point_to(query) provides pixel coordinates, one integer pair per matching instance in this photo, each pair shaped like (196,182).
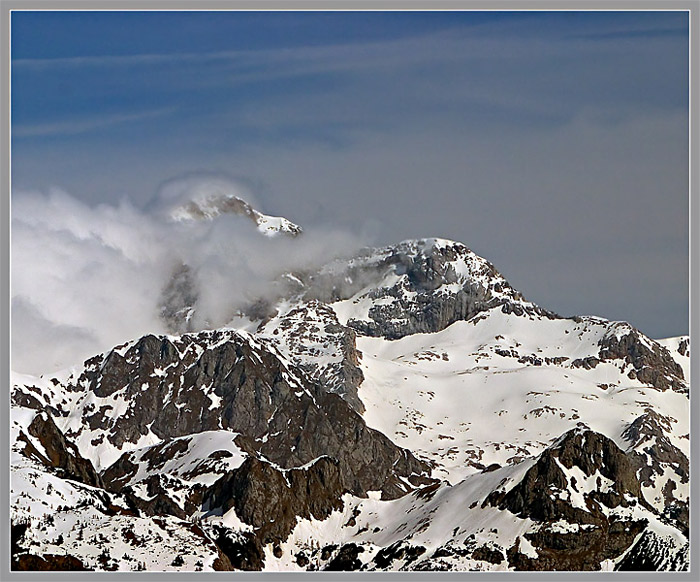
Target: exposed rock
(163,494)
(588,363)
(591,452)
(178,300)
(487,554)
(650,429)
(241,550)
(400,550)
(311,337)
(369,461)
(46,562)
(649,441)
(544,495)
(327,551)
(257,396)
(582,550)
(651,362)
(28,396)
(61,454)
(272,501)
(424,268)
(346,560)
(652,554)
(417,286)
(17,532)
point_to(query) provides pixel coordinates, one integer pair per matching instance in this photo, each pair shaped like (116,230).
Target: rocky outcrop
(649,441)
(311,337)
(164,496)
(648,434)
(272,501)
(596,456)
(240,550)
(226,380)
(346,560)
(401,550)
(369,461)
(48,562)
(574,536)
(581,550)
(417,286)
(433,291)
(651,362)
(58,454)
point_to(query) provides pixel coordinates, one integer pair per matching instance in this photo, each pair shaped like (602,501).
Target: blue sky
(552,143)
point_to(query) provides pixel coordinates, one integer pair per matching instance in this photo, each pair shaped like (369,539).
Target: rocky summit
(401,409)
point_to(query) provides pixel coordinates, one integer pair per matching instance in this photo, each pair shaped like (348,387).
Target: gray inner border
(692,6)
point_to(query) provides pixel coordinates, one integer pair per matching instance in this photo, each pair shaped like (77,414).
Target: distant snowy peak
(210,207)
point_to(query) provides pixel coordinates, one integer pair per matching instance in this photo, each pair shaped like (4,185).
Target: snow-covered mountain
(210,206)
(404,409)
(179,299)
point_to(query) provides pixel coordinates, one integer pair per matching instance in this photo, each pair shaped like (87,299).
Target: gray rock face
(272,500)
(419,286)
(542,496)
(593,454)
(61,455)
(311,336)
(652,363)
(647,433)
(225,380)
(657,454)
(178,300)
(427,311)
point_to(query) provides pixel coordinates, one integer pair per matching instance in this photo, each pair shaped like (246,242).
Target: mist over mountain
(119,259)
(259,396)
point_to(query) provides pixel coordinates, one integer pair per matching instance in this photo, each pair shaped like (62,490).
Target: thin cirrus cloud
(542,140)
(399,79)
(145,59)
(79,126)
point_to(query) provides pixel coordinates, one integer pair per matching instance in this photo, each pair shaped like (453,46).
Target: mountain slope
(404,409)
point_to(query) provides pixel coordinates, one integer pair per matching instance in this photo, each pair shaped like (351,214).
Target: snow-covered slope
(502,388)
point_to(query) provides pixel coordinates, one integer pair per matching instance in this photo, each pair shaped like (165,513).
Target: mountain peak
(211,206)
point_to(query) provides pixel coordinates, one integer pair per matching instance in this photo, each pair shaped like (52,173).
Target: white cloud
(87,278)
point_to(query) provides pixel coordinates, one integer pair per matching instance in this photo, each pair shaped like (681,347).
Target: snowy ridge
(210,207)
